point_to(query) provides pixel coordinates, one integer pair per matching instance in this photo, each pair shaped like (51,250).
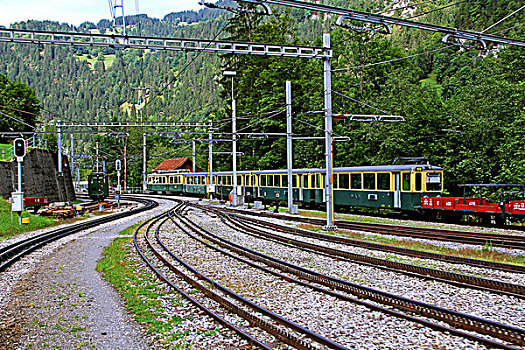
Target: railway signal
(20,149)
(17,198)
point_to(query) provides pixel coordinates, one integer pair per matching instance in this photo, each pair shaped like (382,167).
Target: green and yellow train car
(398,187)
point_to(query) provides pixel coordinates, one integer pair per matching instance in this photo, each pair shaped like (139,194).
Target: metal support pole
(234,139)
(210,156)
(96,152)
(78,175)
(59,141)
(329,180)
(193,154)
(144,164)
(72,159)
(20,190)
(289,160)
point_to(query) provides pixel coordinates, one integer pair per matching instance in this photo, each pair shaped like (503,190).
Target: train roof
(376,168)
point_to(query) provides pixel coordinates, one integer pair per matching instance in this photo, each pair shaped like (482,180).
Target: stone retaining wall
(39,177)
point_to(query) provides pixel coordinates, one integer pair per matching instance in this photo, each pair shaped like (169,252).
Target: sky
(77,11)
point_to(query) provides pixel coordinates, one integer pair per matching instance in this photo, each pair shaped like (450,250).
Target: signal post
(17,198)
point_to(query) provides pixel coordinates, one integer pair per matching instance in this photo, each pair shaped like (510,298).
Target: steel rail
(304,331)
(15,251)
(456,319)
(406,251)
(504,241)
(188,297)
(246,252)
(265,325)
(457,279)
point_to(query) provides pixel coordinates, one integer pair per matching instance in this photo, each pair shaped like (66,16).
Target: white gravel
(356,327)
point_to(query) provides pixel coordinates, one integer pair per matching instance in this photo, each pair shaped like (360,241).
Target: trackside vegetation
(35,222)
(141,291)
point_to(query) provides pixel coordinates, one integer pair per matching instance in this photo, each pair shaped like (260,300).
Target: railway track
(218,301)
(11,253)
(382,247)
(476,238)
(243,223)
(431,316)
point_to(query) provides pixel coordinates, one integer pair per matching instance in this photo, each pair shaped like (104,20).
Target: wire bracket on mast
(357,17)
(459,40)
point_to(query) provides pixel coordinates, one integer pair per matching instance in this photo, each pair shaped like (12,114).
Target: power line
(503,19)
(186,67)
(392,60)
(360,102)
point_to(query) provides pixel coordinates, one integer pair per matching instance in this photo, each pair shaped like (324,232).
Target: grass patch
(92,59)
(141,292)
(130,230)
(431,83)
(487,253)
(35,222)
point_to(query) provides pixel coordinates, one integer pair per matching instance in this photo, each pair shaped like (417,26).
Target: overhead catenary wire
(503,19)
(186,66)
(360,102)
(392,60)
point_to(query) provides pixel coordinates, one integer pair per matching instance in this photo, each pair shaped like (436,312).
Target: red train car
(453,208)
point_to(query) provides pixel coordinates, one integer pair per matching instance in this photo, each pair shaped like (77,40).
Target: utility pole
(232,74)
(329,180)
(72,158)
(113,9)
(193,153)
(289,160)
(59,146)
(144,164)
(139,102)
(96,152)
(210,159)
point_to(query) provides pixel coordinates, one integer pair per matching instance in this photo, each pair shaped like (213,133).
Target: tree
(19,106)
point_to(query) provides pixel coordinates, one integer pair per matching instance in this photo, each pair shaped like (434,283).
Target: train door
(397,190)
(301,186)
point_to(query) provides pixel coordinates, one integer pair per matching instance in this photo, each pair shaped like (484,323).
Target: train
(413,189)
(98,186)
(399,187)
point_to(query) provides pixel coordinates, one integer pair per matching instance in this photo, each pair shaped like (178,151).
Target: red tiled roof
(176,164)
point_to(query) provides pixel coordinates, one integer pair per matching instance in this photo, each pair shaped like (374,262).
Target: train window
(248,180)
(383,181)
(419,183)
(344,181)
(355,181)
(270,180)
(295,181)
(239,180)
(433,182)
(285,181)
(263,180)
(318,182)
(369,181)
(277,180)
(305,181)
(406,181)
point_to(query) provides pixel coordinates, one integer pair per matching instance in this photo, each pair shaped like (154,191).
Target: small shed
(175,164)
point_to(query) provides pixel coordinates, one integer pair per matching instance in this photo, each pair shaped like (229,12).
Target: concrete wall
(39,177)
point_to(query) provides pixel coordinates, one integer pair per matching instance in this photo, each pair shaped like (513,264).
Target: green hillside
(479,94)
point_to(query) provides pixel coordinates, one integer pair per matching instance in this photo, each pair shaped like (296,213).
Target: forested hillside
(464,107)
